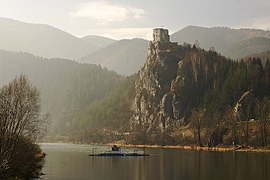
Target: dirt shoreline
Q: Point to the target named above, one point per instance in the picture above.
(199, 148)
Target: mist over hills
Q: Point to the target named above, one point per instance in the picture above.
(98, 41)
(233, 43)
(125, 56)
(249, 46)
(66, 86)
(43, 40)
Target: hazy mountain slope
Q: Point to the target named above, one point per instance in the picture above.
(223, 39)
(98, 41)
(66, 86)
(41, 40)
(125, 56)
(249, 46)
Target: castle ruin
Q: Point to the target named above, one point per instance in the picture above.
(161, 42)
(161, 35)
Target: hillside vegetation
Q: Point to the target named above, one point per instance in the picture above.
(263, 56)
(66, 86)
(103, 119)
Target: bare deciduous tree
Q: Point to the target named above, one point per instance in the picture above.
(230, 119)
(19, 118)
(198, 121)
(263, 115)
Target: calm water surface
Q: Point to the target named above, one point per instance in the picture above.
(70, 161)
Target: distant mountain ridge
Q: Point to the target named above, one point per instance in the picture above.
(233, 43)
(125, 56)
(249, 46)
(98, 41)
(42, 40)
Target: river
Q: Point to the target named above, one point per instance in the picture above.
(71, 161)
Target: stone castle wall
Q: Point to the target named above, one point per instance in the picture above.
(161, 35)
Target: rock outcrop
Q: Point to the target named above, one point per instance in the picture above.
(153, 105)
(172, 80)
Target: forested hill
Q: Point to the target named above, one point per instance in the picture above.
(66, 86)
(100, 121)
(178, 80)
(264, 56)
(158, 105)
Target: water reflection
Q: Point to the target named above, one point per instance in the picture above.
(72, 162)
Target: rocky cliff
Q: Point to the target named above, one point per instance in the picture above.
(173, 78)
(177, 80)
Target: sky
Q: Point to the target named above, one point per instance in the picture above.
(119, 19)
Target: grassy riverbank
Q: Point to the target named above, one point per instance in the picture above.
(220, 148)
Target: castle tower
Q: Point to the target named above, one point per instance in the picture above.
(161, 35)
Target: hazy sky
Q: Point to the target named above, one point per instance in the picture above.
(136, 18)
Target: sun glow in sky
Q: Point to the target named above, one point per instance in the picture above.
(120, 19)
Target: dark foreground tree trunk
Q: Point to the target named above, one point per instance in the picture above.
(247, 133)
(199, 137)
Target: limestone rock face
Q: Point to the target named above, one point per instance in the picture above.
(171, 83)
(155, 103)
